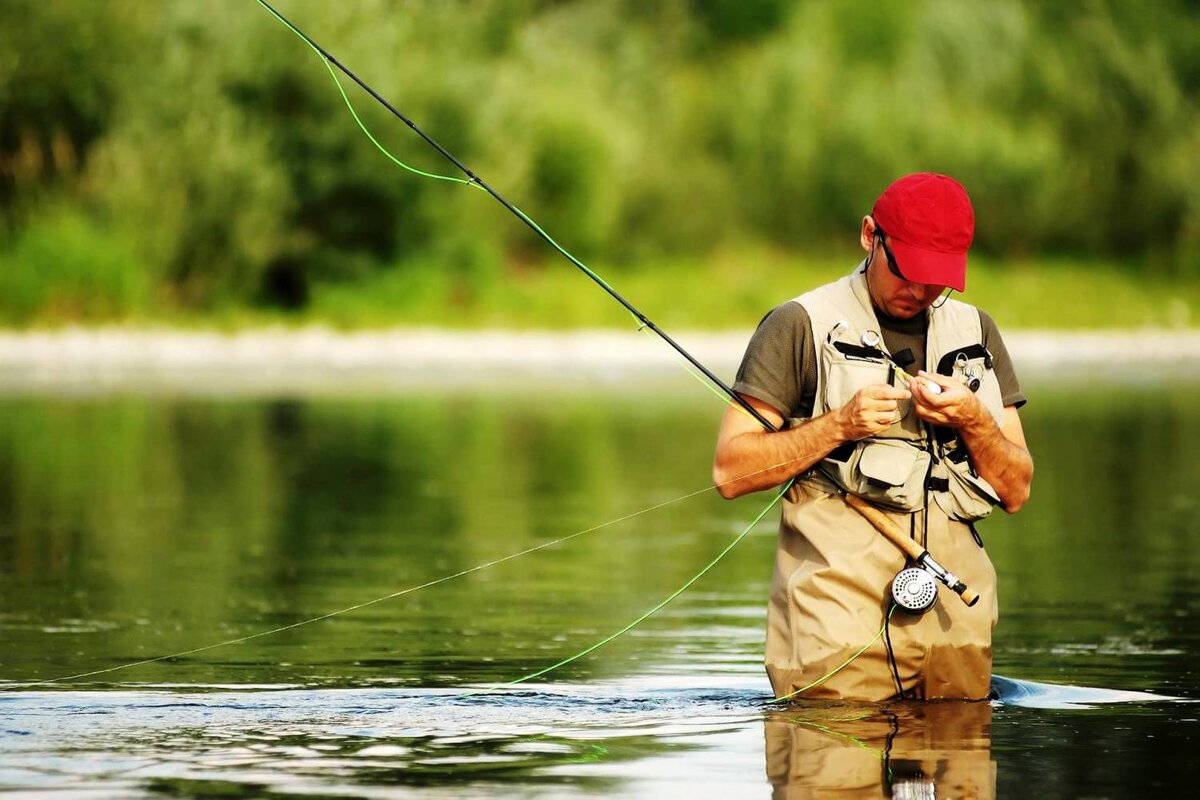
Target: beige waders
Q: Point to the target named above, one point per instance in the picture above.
(830, 595)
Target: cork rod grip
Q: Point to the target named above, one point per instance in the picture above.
(892, 532)
(886, 526)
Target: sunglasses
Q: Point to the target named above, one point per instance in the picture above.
(893, 267)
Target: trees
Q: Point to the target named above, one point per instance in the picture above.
(205, 147)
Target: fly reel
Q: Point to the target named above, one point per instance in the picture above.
(914, 590)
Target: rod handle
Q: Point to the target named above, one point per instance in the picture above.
(892, 532)
(885, 525)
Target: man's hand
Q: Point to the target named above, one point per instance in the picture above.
(872, 410)
(955, 406)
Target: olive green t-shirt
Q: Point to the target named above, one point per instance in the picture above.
(780, 364)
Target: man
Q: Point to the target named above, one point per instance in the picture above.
(885, 391)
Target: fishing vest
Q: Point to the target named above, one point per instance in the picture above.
(911, 460)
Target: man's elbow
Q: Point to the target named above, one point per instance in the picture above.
(725, 485)
(1019, 495)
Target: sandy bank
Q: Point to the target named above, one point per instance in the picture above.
(323, 360)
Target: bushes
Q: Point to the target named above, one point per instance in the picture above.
(208, 146)
(64, 267)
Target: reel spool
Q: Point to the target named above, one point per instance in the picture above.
(914, 590)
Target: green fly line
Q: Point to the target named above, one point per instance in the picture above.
(451, 178)
(408, 590)
(839, 667)
(645, 616)
(641, 327)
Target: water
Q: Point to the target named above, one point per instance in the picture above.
(135, 526)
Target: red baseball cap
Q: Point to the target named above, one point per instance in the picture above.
(929, 223)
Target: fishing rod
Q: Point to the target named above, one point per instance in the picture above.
(912, 589)
(472, 178)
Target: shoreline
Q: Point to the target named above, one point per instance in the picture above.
(323, 360)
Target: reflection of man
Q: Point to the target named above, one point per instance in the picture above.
(855, 368)
(914, 750)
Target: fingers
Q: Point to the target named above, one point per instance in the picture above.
(885, 391)
(935, 390)
(925, 397)
(931, 415)
(882, 397)
(927, 380)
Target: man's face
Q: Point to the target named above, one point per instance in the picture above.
(891, 293)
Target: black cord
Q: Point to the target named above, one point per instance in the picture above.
(891, 654)
(887, 752)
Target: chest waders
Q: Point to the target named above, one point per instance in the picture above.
(833, 570)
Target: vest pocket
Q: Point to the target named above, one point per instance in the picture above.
(890, 473)
(847, 376)
(847, 373)
(968, 496)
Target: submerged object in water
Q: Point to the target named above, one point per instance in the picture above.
(1031, 694)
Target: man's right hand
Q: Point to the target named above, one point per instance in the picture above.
(872, 410)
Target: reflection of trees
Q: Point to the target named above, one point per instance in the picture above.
(143, 515)
(1104, 530)
(211, 519)
(187, 522)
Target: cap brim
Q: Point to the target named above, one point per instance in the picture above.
(919, 265)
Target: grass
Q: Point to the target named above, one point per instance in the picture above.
(733, 289)
(78, 279)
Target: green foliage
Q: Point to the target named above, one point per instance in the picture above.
(208, 146)
(64, 267)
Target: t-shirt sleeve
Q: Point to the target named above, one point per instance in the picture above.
(779, 366)
(1010, 387)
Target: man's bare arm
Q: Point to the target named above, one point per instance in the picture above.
(750, 459)
(998, 450)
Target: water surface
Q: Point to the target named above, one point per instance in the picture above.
(136, 526)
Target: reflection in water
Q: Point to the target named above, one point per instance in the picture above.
(903, 750)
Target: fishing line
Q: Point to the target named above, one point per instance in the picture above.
(641, 318)
(418, 587)
(841, 666)
(358, 606)
(597, 645)
(708, 386)
(852, 739)
(329, 61)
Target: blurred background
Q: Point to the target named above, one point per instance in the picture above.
(195, 164)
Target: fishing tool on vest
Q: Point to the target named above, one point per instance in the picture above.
(972, 373)
(914, 589)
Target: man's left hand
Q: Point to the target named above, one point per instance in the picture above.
(955, 406)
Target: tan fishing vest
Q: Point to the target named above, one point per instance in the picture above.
(896, 468)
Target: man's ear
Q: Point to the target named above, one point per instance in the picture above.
(867, 233)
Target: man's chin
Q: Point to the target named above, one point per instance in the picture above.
(905, 311)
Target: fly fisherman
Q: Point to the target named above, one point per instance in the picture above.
(909, 402)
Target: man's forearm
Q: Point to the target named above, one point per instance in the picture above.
(757, 460)
(1004, 464)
